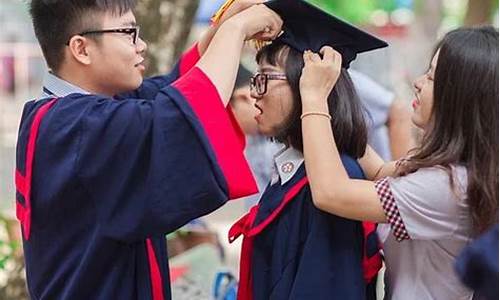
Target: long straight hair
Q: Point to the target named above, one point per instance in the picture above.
(464, 120)
(348, 122)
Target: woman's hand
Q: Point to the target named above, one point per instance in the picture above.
(319, 75)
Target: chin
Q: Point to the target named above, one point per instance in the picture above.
(138, 81)
(417, 122)
(265, 131)
(128, 87)
(134, 85)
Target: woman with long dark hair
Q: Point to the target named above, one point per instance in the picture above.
(445, 192)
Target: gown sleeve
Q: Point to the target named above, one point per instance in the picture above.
(151, 166)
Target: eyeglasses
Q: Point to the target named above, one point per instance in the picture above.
(258, 82)
(133, 32)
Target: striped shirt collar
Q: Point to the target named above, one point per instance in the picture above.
(54, 86)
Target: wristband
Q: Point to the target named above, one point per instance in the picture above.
(316, 113)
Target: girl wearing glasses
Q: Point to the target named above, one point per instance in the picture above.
(445, 192)
(291, 249)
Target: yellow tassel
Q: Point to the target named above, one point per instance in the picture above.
(218, 15)
(258, 44)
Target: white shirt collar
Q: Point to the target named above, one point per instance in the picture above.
(58, 87)
(286, 163)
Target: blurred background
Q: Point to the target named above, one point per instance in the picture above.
(411, 27)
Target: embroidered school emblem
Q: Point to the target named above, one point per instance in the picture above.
(287, 167)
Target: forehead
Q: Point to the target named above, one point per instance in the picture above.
(266, 67)
(114, 19)
(273, 55)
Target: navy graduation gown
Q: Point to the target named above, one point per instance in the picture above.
(477, 265)
(292, 250)
(100, 181)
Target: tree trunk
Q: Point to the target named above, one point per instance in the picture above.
(165, 26)
(479, 12)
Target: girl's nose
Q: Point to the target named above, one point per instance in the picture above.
(141, 46)
(254, 94)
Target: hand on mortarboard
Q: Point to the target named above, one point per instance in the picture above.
(225, 13)
(320, 74)
(233, 9)
(308, 26)
(257, 22)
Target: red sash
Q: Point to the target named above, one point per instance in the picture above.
(23, 183)
(244, 226)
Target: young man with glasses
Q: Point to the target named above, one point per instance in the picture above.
(108, 163)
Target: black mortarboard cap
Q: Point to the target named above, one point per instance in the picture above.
(307, 27)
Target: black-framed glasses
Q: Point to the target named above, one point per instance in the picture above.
(258, 82)
(133, 32)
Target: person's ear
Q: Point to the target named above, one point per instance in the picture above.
(79, 49)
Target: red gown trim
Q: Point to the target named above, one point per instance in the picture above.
(219, 127)
(23, 183)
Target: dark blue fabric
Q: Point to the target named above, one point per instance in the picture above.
(306, 253)
(477, 265)
(107, 175)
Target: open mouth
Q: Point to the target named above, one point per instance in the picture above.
(141, 63)
(416, 101)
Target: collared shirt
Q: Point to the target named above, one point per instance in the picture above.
(54, 86)
(430, 222)
(286, 163)
(260, 151)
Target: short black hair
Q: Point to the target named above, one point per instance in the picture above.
(55, 21)
(348, 120)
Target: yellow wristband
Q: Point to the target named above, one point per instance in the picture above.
(316, 113)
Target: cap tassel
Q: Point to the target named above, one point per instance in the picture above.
(257, 44)
(218, 15)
